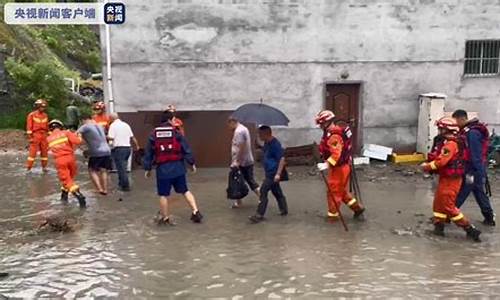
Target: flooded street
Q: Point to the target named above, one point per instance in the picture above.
(117, 251)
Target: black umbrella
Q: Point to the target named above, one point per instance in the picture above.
(260, 114)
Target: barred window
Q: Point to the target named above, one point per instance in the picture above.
(482, 57)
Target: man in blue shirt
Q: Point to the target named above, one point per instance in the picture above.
(476, 136)
(168, 149)
(274, 165)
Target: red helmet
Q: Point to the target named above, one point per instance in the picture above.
(448, 123)
(324, 116)
(171, 108)
(99, 105)
(41, 103)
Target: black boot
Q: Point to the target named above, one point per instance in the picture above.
(64, 196)
(473, 233)
(358, 215)
(196, 217)
(438, 229)
(489, 219)
(81, 198)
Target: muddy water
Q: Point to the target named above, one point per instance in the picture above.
(118, 252)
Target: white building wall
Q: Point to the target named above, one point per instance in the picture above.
(219, 54)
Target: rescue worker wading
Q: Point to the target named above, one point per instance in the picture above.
(449, 164)
(100, 116)
(37, 129)
(62, 144)
(336, 151)
(168, 149)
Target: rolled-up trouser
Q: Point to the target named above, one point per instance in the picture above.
(247, 173)
(444, 202)
(338, 183)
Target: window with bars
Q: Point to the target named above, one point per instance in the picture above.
(482, 58)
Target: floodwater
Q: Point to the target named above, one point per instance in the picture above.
(117, 251)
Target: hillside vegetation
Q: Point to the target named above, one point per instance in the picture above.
(38, 59)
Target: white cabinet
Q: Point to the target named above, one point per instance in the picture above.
(431, 109)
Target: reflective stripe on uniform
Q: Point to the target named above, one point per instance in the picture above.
(458, 217)
(31, 158)
(352, 202)
(433, 165)
(440, 215)
(45, 158)
(29, 132)
(332, 161)
(58, 141)
(333, 214)
(74, 188)
(38, 120)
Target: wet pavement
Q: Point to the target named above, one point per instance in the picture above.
(116, 250)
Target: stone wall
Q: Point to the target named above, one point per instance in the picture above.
(219, 54)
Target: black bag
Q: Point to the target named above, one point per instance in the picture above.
(236, 186)
(284, 175)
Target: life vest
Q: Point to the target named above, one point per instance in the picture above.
(167, 146)
(346, 134)
(456, 166)
(485, 143)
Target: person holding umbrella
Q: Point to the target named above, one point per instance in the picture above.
(274, 167)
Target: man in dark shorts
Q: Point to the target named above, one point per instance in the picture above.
(168, 149)
(99, 153)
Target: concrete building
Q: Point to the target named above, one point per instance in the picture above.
(368, 60)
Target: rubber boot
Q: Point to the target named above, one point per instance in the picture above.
(473, 233)
(81, 198)
(358, 214)
(64, 195)
(196, 217)
(489, 219)
(438, 229)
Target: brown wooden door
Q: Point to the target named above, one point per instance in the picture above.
(343, 100)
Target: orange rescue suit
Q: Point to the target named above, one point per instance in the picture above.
(338, 175)
(62, 144)
(102, 119)
(448, 187)
(37, 128)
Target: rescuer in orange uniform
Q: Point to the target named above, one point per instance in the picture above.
(336, 151)
(100, 116)
(37, 129)
(449, 164)
(62, 144)
(178, 124)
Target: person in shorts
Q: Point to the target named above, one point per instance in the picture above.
(99, 153)
(169, 150)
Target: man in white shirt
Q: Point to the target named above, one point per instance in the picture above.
(241, 154)
(120, 136)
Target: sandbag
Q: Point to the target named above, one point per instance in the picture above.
(236, 186)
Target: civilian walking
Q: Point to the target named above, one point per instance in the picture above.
(274, 166)
(241, 154)
(120, 136)
(99, 152)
